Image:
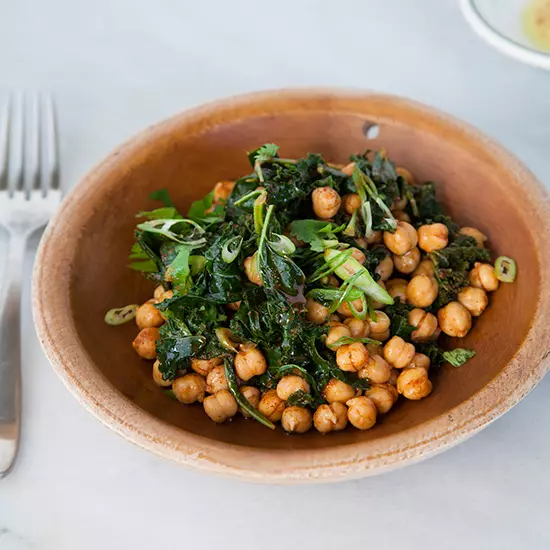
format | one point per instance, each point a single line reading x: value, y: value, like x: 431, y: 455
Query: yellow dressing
x: 536, y: 23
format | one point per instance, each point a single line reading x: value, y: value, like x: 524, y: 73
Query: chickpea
x: 377, y: 370
x: 397, y: 289
x: 349, y: 168
x: 425, y: 267
x: 204, y: 366
x: 252, y: 395
x: 216, y: 380
x: 406, y: 175
x: 336, y: 333
x: 422, y: 291
x: 425, y: 324
x: 316, y: 312
x: 399, y: 204
x: 380, y: 324
x: 337, y: 391
x: 295, y: 241
x: 374, y: 238
x: 222, y: 190
x: 362, y: 412
x: 476, y: 234
x: 271, y: 406
x: 350, y: 203
x: 144, y: 344
x: 375, y: 349
x: 357, y: 255
x: 221, y: 406
x: 374, y: 303
x: 454, y: 320
x: 419, y: 360
x: 296, y: 420
x: 483, y: 276
x: 326, y: 202
x: 382, y: 396
x: 332, y: 281
x: 334, y: 320
x: 249, y: 362
x: 473, y: 299
x: 380, y: 336
x: 189, y: 388
x: 345, y: 310
x: 352, y: 357
x: 408, y: 262
x: 167, y: 295
x: 402, y: 216
x: 358, y: 328
x: 385, y: 268
x: 157, y: 376
x: 394, y: 376
x: 148, y: 316
x: 434, y: 236
x: 330, y: 418
x: 403, y: 240
x: 398, y: 353
x: 291, y: 384
x: 250, y: 265
x: 414, y: 383
x: 160, y: 294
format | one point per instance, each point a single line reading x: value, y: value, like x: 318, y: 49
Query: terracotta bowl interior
x: 188, y: 163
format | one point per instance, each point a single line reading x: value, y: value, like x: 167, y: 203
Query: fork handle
x: 10, y: 353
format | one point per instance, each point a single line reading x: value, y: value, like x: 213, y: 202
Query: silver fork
x: 29, y: 195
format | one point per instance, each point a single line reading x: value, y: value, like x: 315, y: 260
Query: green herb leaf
x: 458, y: 356
x: 166, y: 212
x: 176, y: 347
x: 198, y: 209
x: 399, y: 315
x: 314, y: 232
x: 302, y: 399
x: 142, y: 261
x: 452, y: 265
x: 163, y: 196
x: 241, y: 399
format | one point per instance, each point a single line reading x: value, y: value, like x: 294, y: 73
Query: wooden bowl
x: 81, y: 273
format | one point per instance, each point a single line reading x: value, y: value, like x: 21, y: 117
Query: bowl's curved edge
x: 335, y: 464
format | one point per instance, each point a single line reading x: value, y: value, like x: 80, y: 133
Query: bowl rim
x: 505, y: 44
x: 63, y: 348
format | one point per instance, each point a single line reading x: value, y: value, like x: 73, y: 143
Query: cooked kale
x: 268, y: 221
x: 452, y: 265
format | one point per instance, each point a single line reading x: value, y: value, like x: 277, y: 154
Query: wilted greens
x: 255, y: 288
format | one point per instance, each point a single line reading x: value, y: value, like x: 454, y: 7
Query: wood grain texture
x: 81, y: 272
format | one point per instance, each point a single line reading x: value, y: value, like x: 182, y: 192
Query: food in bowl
x: 308, y: 293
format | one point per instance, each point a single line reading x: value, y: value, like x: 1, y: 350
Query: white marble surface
x: 116, y: 66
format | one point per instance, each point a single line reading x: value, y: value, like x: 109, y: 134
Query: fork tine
x: 19, y: 168
x: 4, y: 144
x: 51, y: 145
x: 35, y: 140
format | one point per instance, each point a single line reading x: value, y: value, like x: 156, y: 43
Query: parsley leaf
x: 458, y: 356
x: 314, y: 232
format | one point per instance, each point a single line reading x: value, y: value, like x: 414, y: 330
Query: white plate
x: 499, y: 22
